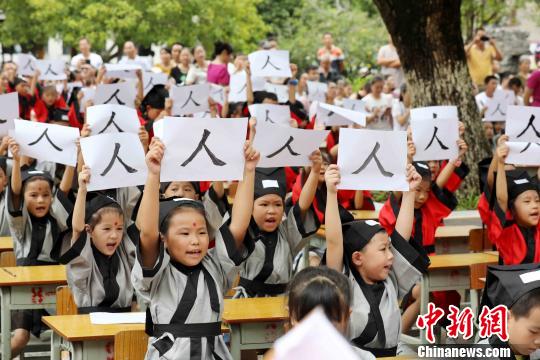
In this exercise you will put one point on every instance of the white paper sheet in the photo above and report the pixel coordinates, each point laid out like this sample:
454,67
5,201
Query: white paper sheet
523,153
105,318
202,149
47,142
237,87
372,160
497,105
150,79
332,115
116,160
435,139
112,118
356,105
9,111
433,112
51,69
316,91
190,99
89,93
282,91
270,63
271,113
122,93
122,71
26,64
523,123
217,93
286,146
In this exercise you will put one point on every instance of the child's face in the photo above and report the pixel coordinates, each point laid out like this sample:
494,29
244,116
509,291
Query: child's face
3,180
324,166
524,333
22,88
375,260
187,237
488,130
269,101
421,194
152,113
498,126
268,212
434,167
108,233
49,97
38,197
183,189
527,208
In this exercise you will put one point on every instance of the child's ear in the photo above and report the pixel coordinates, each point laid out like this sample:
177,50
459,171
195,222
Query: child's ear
88,229
357,258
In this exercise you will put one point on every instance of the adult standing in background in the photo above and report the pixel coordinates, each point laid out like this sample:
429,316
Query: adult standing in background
388,59
180,71
131,56
176,49
197,73
85,56
165,65
481,54
532,90
218,71
334,52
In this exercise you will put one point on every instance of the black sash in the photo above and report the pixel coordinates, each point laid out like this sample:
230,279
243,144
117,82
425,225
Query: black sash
91,309
39,231
258,288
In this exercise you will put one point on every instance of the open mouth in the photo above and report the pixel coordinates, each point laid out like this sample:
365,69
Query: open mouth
194,252
270,222
111,246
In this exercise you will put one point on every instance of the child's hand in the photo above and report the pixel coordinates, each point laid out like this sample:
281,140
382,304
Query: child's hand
4,145
84,178
463,147
461,129
294,70
411,150
14,149
316,160
333,178
138,72
293,123
502,148
413,178
154,156
251,155
248,69
144,137
86,131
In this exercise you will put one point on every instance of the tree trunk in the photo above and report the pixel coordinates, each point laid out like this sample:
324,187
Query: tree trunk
427,36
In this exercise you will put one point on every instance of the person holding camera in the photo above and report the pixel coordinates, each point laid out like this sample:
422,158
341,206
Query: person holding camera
481,52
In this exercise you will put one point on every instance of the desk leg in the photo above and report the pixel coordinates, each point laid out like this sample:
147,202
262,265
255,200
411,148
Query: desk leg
55,346
424,300
236,350
5,325
474,301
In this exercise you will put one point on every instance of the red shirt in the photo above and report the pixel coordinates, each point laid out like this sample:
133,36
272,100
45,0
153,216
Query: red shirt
41,111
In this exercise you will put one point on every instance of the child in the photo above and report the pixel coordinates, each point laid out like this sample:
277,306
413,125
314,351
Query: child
507,285
35,220
185,284
4,226
513,222
100,254
381,271
269,267
50,106
326,288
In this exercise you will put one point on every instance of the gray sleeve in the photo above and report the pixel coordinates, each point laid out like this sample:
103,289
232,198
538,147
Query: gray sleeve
297,231
128,198
15,218
61,208
228,255
4,225
78,260
145,279
130,241
408,265
215,209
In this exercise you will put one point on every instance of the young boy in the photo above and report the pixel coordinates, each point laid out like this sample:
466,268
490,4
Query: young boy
518,288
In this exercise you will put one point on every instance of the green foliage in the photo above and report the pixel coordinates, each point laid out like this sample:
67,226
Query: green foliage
380,196
467,201
143,21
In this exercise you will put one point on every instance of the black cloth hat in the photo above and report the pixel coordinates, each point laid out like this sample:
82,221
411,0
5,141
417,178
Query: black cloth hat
98,202
164,185
358,233
518,183
422,168
506,284
168,205
28,173
270,181
155,98
3,164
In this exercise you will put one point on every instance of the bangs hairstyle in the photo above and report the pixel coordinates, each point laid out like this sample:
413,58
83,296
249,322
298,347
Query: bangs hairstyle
164,226
37,178
526,303
319,286
96,217
49,89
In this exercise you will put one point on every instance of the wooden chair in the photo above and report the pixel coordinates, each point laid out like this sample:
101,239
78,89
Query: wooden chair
130,345
65,305
7,259
478,240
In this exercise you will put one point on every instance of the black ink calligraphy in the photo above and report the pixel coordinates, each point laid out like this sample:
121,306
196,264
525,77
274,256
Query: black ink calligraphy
190,98
530,124
286,146
202,145
268,62
111,122
498,109
444,147
527,147
45,135
268,119
3,121
242,89
115,157
115,96
29,65
50,70
373,156
151,82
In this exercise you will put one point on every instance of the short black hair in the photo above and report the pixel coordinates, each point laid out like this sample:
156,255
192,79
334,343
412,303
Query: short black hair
515,81
376,79
312,67
523,306
489,78
166,49
319,286
220,47
480,28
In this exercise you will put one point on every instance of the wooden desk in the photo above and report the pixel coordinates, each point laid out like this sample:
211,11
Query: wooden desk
26,287
453,272
6,244
254,323
453,239
365,214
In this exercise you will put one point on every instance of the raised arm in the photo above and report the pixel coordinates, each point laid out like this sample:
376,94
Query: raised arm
502,186
243,200
310,186
358,199
249,85
140,86
79,210
16,181
67,179
404,222
334,234
148,215
448,170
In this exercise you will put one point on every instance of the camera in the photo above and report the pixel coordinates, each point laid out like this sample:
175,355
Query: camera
485,38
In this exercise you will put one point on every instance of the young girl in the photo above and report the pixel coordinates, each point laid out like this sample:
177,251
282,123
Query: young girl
35,217
514,220
381,271
269,267
4,226
175,272
100,254
326,288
